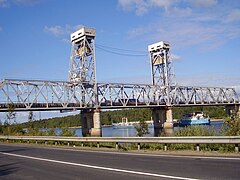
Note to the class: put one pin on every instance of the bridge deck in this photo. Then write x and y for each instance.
(37, 95)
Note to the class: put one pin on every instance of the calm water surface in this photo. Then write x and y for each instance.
(109, 131)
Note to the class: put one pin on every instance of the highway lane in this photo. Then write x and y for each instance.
(34, 162)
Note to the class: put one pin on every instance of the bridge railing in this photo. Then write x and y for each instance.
(197, 140)
(56, 95)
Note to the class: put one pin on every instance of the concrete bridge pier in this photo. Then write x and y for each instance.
(232, 110)
(91, 123)
(96, 129)
(162, 120)
(168, 124)
(158, 118)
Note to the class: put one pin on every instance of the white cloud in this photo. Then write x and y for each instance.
(184, 26)
(203, 3)
(61, 31)
(179, 12)
(210, 80)
(233, 16)
(177, 7)
(4, 3)
(55, 30)
(143, 6)
(174, 57)
(8, 3)
(26, 2)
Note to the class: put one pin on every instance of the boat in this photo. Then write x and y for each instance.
(125, 124)
(196, 118)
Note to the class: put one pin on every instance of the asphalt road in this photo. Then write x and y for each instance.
(33, 162)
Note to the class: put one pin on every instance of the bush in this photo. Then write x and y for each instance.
(67, 132)
(197, 130)
(231, 127)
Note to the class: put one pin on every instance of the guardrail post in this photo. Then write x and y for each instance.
(165, 147)
(117, 145)
(197, 147)
(68, 143)
(82, 144)
(236, 148)
(36, 142)
(45, 142)
(98, 145)
(55, 143)
(138, 146)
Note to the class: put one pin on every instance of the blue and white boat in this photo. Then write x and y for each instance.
(196, 118)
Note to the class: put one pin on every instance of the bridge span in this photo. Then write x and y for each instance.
(82, 92)
(38, 95)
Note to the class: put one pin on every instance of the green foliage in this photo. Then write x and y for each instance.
(196, 130)
(109, 117)
(67, 132)
(11, 115)
(232, 127)
(217, 112)
(141, 128)
(57, 122)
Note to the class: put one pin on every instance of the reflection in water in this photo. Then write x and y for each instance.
(157, 132)
(109, 131)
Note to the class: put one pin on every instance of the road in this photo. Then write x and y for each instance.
(35, 162)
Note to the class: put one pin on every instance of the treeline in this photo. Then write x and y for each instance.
(145, 114)
(115, 116)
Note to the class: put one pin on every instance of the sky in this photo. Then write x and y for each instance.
(204, 36)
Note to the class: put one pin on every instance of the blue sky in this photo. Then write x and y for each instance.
(204, 37)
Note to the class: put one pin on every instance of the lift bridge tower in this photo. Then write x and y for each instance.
(163, 78)
(82, 73)
(82, 65)
(161, 65)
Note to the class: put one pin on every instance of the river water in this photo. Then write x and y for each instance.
(110, 131)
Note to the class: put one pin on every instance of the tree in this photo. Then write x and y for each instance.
(30, 119)
(1, 127)
(232, 127)
(141, 128)
(11, 114)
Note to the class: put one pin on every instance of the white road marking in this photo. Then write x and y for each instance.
(99, 167)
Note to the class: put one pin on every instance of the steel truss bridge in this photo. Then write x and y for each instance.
(82, 92)
(37, 95)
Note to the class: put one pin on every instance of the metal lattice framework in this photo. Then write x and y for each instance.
(161, 65)
(62, 95)
(82, 60)
(82, 91)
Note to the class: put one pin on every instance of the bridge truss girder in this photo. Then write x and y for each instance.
(36, 95)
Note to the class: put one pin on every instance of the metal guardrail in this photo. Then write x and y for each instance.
(158, 140)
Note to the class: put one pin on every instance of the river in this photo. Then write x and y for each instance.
(109, 131)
